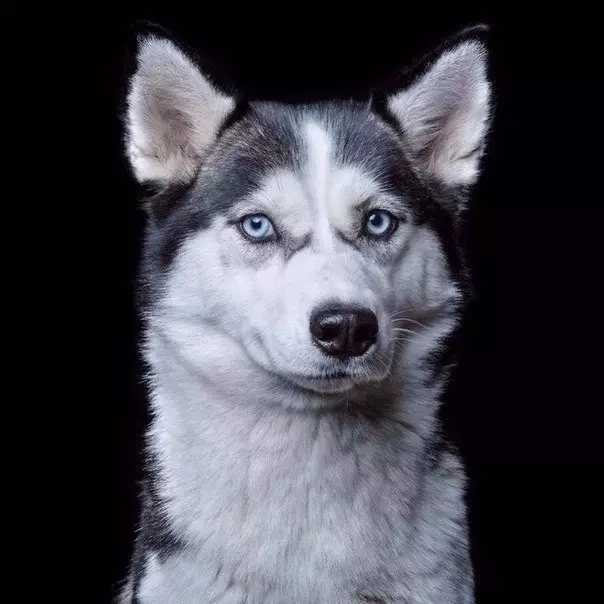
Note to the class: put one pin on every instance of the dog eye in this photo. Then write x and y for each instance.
(380, 223)
(257, 227)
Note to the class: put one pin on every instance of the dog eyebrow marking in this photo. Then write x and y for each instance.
(363, 204)
(295, 245)
(369, 599)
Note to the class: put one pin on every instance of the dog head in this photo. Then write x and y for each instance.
(318, 239)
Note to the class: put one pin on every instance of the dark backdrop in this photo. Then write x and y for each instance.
(525, 405)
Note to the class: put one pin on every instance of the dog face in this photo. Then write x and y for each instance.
(317, 239)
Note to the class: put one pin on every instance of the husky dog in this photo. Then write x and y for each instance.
(302, 280)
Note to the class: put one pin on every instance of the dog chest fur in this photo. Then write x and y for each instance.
(353, 504)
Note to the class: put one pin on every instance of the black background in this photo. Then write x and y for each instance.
(527, 401)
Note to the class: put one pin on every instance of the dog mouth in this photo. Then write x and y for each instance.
(333, 375)
(324, 385)
(333, 382)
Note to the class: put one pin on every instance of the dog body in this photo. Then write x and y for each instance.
(301, 286)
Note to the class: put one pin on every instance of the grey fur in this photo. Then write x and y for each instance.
(273, 482)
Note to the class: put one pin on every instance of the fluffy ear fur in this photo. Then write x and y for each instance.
(174, 113)
(444, 113)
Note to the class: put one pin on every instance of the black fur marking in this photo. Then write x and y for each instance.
(158, 536)
(155, 535)
(138, 566)
(379, 105)
(438, 209)
(241, 110)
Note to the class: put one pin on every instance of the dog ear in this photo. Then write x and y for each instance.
(173, 114)
(444, 109)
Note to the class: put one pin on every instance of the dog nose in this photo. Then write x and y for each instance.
(344, 331)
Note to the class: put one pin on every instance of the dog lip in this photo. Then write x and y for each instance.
(324, 377)
(327, 383)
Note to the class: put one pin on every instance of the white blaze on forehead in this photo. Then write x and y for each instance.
(319, 161)
(318, 171)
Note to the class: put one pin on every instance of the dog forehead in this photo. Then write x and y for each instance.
(328, 155)
(346, 133)
(319, 181)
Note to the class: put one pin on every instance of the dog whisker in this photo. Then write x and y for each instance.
(409, 321)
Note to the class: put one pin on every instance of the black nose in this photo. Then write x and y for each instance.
(344, 331)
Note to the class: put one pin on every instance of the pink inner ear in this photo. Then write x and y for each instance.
(174, 114)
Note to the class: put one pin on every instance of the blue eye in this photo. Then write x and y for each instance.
(380, 223)
(257, 226)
